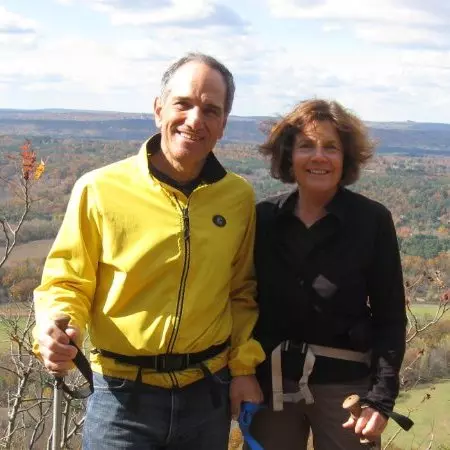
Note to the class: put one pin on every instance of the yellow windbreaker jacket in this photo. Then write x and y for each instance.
(149, 271)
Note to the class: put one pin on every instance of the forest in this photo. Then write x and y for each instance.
(414, 188)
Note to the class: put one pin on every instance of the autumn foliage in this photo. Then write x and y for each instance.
(21, 186)
(27, 160)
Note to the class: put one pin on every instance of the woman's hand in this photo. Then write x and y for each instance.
(370, 423)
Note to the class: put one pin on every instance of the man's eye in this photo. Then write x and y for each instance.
(212, 112)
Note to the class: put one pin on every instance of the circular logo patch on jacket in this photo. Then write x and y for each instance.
(219, 220)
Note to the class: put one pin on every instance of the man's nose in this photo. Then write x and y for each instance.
(194, 118)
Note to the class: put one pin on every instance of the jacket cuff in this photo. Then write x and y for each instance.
(244, 358)
(238, 372)
(384, 405)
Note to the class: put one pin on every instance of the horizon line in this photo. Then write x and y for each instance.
(100, 111)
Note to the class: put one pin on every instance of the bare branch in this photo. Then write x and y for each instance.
(392, 438)
(441, 310)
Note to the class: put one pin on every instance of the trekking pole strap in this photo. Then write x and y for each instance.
(82, 364)
(80, 361)
(403, 421)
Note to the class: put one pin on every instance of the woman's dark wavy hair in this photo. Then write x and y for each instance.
(357, 147)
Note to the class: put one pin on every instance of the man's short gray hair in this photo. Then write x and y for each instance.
(211, 62)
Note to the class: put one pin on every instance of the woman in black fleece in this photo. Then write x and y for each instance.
(330, 289)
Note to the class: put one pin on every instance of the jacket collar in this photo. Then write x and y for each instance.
(212, 170)
(336, 206)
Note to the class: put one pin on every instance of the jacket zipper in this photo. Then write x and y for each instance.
(184, 274)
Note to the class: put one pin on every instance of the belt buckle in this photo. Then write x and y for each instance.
(171, 362)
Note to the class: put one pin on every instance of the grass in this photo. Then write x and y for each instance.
(431, 417)
(12, 310)
(4, 339)
(425, 310)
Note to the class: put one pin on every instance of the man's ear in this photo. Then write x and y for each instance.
(157, 106)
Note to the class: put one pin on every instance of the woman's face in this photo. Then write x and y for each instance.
(317, 158)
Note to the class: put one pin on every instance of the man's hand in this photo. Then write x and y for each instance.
(370, 424)
(244, 388)
(57, 354)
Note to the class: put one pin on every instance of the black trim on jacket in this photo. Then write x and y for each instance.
(212, 171)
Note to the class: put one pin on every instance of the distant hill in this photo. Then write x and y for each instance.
(408, 138)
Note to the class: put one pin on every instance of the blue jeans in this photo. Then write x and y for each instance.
(167, 419)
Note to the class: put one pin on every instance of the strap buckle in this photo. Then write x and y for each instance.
(291, 345)
(171, 362)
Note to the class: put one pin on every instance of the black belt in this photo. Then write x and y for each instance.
(170, 362)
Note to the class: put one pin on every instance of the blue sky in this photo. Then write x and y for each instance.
(388, 60)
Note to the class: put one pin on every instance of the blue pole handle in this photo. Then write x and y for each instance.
(248, 410)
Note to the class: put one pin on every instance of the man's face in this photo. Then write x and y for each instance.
(191, 116)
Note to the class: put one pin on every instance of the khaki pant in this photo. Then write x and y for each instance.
(289, 429)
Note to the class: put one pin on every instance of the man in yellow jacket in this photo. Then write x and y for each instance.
(154, 259)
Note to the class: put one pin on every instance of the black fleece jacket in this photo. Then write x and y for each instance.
(338, 283)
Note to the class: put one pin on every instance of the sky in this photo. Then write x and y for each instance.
(387, 60)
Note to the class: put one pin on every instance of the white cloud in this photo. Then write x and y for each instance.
(88, 66)
(205, 13)
(14, 42)
(133, 67)
(131, 13)
(107, 71)
(367, 10)
(388, 22)
(402, 35)
(15, 23)
(388, 85)
(268, 84)
(330, 27)
(16, 31)
(178, 11)
(240, 52)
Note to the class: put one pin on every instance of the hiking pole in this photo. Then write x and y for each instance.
(353, 406)
(61, 322)
(248, 411)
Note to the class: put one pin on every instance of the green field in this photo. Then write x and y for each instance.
(431, 418)
(4, 339)
(8, 310)
(426, 310)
